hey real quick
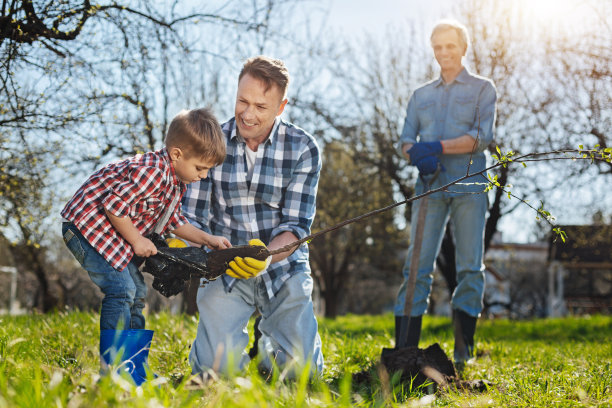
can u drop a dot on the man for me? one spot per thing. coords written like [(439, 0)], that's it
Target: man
[(265, 189), (449, 123)]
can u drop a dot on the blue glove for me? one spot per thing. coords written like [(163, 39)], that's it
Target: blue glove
[(424, 149), (427, 165)]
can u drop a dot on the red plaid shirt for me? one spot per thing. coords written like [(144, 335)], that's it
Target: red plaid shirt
[(141, 187)]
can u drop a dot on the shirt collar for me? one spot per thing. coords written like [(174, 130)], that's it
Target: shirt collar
[(462, 77)]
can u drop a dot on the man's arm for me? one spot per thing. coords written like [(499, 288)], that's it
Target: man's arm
[(299, 205), (279, 241)]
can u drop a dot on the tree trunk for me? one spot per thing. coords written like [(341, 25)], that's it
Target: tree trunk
[(190, 305)]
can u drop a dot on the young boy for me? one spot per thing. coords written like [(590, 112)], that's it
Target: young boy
[(106, 223)]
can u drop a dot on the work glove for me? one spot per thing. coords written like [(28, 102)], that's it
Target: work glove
[(420, 150), (427, 165), (176, 243), (247, 267)]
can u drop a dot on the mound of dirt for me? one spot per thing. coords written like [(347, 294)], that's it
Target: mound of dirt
[(418, 366)]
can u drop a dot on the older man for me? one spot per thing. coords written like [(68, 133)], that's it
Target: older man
[(449, 123)]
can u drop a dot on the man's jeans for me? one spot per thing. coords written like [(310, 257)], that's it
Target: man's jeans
[(289, 327), (467, 214), (124, 291)]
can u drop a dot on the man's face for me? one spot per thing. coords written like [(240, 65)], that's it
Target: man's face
[(256, 109), (448, 49)]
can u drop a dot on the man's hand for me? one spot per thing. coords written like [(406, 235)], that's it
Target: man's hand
[(420, 150), (245, 268), (428, 165)]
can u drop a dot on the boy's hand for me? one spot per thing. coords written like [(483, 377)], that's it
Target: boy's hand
[(144, 247), (217, 242)]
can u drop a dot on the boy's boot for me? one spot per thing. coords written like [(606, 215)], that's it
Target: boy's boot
[(464, 327), (128, 350), (413, 333)]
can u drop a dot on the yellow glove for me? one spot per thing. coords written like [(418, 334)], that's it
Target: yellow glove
[(247, 267), (176, 243)]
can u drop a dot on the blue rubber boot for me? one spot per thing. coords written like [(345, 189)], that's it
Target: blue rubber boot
[(128, 350)]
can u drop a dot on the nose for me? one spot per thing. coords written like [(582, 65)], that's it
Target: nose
[(203, 174), (248, 112)]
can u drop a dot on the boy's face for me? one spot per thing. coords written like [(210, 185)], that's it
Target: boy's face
[(189, 169), (256, 109)]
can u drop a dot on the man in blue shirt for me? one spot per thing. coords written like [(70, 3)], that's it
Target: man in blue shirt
[(265, 189), (449, 123)]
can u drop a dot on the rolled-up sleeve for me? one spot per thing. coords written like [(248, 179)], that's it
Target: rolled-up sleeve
[(484, 122), (411, 124), (299, 205), (138, 184)]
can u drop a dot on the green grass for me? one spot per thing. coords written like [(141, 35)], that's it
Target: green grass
[(52, 361)]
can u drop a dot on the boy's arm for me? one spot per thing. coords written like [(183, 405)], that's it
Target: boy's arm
[(142, 246), (195, 235)]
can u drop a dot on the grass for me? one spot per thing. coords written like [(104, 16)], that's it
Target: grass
[(52, 361)]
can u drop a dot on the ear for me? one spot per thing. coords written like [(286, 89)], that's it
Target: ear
[(281, 108), (175, 153)]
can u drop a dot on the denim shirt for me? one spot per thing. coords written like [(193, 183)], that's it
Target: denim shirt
[(439, 111)]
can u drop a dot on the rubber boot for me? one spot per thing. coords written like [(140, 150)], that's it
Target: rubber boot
[(464, 327), (128, 350), (414, 330)]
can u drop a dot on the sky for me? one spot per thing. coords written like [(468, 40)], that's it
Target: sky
[(356, 16)]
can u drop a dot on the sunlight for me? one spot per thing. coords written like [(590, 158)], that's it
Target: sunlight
[(555, 14)]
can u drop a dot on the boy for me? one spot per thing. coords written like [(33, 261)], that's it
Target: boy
[(106, 223)]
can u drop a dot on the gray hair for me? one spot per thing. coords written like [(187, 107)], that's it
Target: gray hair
[(450, 24)]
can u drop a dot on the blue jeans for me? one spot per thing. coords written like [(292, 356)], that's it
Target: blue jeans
[(467, 214), (124, 291), (289, 327)]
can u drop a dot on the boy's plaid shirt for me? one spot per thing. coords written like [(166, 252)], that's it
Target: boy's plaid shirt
[(280, 196), (141, 187)]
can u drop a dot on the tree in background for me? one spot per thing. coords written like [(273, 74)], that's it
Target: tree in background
[(554, 93), (363, 250), (82, 84)]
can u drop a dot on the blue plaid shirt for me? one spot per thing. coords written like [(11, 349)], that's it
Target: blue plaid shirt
[(280, 196), (439, 111)]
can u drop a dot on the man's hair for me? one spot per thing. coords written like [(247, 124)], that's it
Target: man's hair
[(449, 24), (269, 70), (197, 133)]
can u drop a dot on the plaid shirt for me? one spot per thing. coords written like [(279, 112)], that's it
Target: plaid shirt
[(141, 187), (280, 196)]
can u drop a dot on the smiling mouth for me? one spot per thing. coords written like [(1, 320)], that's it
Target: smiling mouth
[(247, 124)]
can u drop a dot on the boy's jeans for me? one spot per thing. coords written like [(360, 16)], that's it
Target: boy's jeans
[(124, 291)]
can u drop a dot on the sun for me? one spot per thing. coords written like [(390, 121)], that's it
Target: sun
[(556, 11), (558, 18)]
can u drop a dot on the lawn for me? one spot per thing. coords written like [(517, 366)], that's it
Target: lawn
[(52, 361)]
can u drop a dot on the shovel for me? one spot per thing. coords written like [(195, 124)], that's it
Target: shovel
[(414, 264)]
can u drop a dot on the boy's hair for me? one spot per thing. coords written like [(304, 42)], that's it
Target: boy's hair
[(197, 133), (269, 70), (450, 24)]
